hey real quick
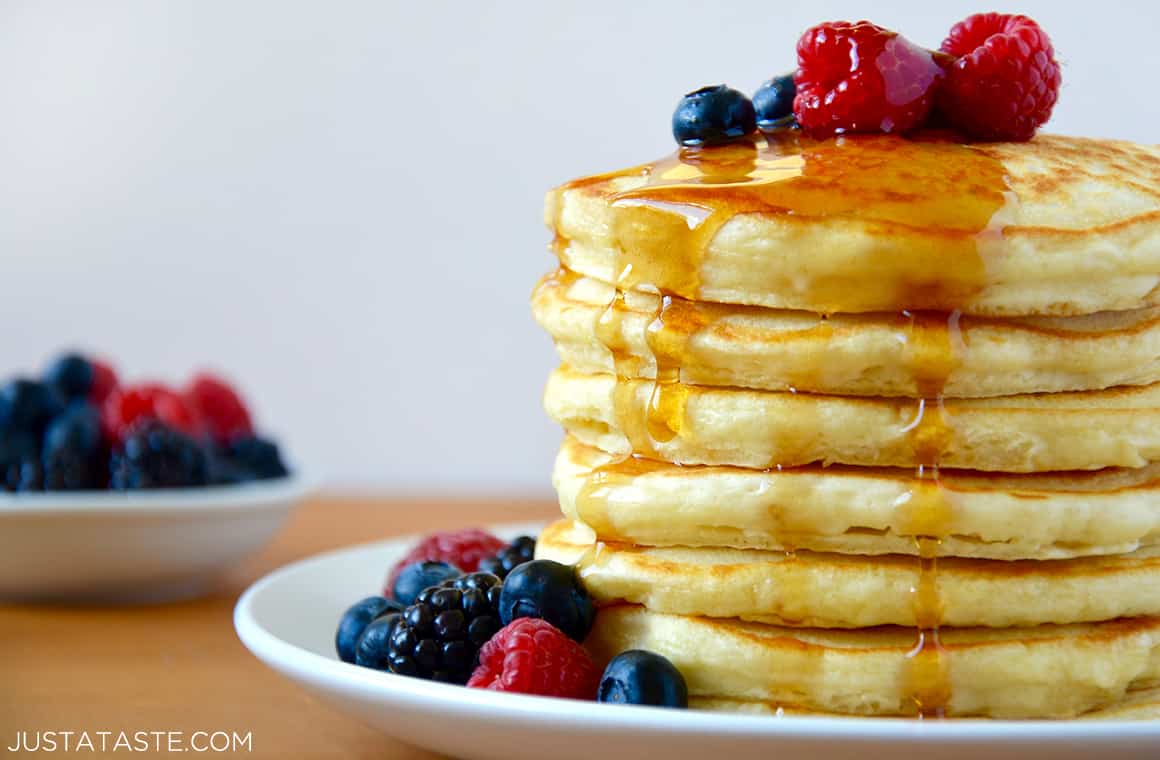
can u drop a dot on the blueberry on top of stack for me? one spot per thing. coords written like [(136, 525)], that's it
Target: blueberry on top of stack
[(77, 428)]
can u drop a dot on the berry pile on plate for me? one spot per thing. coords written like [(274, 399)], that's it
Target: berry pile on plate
[(994, 77), (77, 428), (467, 608)]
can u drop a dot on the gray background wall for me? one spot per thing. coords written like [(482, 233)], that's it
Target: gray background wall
[(339, 202)]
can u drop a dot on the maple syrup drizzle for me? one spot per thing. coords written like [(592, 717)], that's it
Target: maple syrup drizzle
[(669, 335), (625, 403), (601, 482), (610, 332), (664, 228), (933, 351)]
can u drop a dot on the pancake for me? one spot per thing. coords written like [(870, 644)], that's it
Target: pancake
[(843, 354), (851, 591), (1043, 672), (1058, 225), (1119, 427), (1137, 704), (858, 510)]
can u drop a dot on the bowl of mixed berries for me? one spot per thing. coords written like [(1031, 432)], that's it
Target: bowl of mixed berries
[(135, 491)]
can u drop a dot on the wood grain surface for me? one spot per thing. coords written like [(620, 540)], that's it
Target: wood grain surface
[(180, 667)]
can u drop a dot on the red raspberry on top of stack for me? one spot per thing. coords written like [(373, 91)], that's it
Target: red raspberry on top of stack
[(1004, 80), (859, 77), (996, 78)]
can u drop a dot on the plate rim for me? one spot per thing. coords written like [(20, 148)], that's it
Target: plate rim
[(578, 715), (269, 493)]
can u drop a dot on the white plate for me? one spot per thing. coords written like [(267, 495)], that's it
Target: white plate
[(288, 620), (138, 545)]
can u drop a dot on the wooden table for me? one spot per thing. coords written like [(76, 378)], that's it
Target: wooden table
[(180, 667)]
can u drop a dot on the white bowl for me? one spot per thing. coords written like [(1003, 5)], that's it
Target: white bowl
[(134, 546), (288, 621)]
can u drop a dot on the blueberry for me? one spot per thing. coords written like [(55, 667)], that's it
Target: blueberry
[(417, 576), (638, 677), (371, 648), (19, 461), (773, 101), (26, 406), (550, 591), (70, 376), (73, 458), (711, 115), (31, 476), (77, 427), (355, 620), (158, 456)]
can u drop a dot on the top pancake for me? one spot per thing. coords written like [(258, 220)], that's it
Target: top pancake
[(1055, 226)]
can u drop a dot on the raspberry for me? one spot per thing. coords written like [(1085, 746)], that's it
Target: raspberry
[(127, 405), (104, 381), (530, 656), (1005, 79), (859, 77), (464, 549), (222, 410)]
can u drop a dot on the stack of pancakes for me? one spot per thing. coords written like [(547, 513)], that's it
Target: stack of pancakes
[(868, 425)]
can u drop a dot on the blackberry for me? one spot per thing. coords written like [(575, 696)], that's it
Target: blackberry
[(248, 458), (69, 469), (158, 456), (439, 636), (522, 550)]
